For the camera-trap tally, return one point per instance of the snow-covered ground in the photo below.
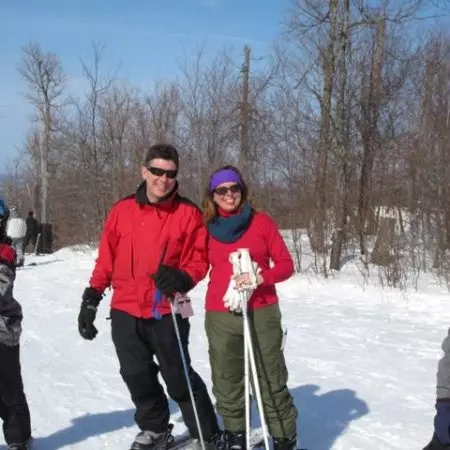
(362, 360)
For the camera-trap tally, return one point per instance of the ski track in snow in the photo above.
(362, 361)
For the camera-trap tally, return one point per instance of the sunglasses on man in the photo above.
(223, 190)
(158, 172)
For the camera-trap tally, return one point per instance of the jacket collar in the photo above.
(165, 203)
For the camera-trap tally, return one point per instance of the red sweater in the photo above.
(265, 243)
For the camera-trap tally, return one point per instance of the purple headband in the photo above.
(224, 176)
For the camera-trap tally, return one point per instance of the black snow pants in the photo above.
(14, 410)
(138, 342)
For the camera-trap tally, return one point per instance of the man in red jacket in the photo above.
(153, 242)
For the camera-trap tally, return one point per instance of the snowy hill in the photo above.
(362, 360)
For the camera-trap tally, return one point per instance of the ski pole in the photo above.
(157, 299)
(186, 374)
(248, 403)
(246, 266)
(237, 270)
(251, 356)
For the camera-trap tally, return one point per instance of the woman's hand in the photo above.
(243, 281)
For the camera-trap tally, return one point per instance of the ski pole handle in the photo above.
(235, 262)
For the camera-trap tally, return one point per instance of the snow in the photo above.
(362, 359)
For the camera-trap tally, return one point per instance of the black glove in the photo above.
(169, 280)
(91, 299)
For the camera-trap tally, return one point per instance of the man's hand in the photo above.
(170, 280)
(90, 300)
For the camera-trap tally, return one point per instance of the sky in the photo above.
(145, 40)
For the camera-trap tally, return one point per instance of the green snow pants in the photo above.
(226, 354)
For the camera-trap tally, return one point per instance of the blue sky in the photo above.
(146, 37)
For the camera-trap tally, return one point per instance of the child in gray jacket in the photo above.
(14, 410)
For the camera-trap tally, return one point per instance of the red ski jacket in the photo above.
(266, 245)
(131, 245)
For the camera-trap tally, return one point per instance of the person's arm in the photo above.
(283, 265)
(10, 309)
(193, 264)
(100, 279)
(442, 416)
(7, 275)
(194, 257)
(443, 372)
(101, 275)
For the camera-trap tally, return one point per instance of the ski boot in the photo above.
(215, 443)
(289, 443)
(233, 441)
(149, 440)
(20, 446)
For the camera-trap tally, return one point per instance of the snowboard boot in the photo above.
(435, 444)
(234, 441)
(149, 440)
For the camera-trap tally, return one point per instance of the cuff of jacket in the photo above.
(92, 296)
(267, 277)
(442, 393)
(187, 281)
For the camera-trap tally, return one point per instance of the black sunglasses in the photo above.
(160, 172)
(234, 189)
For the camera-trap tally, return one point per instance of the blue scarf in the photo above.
(230, 229)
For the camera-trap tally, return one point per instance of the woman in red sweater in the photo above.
(233, 224)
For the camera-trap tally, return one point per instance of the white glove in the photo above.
(232, 299)
(241, 263)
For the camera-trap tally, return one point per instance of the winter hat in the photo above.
(224, 176)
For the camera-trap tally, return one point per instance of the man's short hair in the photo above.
(163, 151)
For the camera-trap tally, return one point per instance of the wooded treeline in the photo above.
(344, 132)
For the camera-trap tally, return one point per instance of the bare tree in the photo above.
(45, 80)
(208, 130)
(370, 112)
(343, 132)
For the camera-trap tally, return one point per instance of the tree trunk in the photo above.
(245, 117)
(382, 252)
(370, 137)
(343, 142)
(45, 153)
(329, 70)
